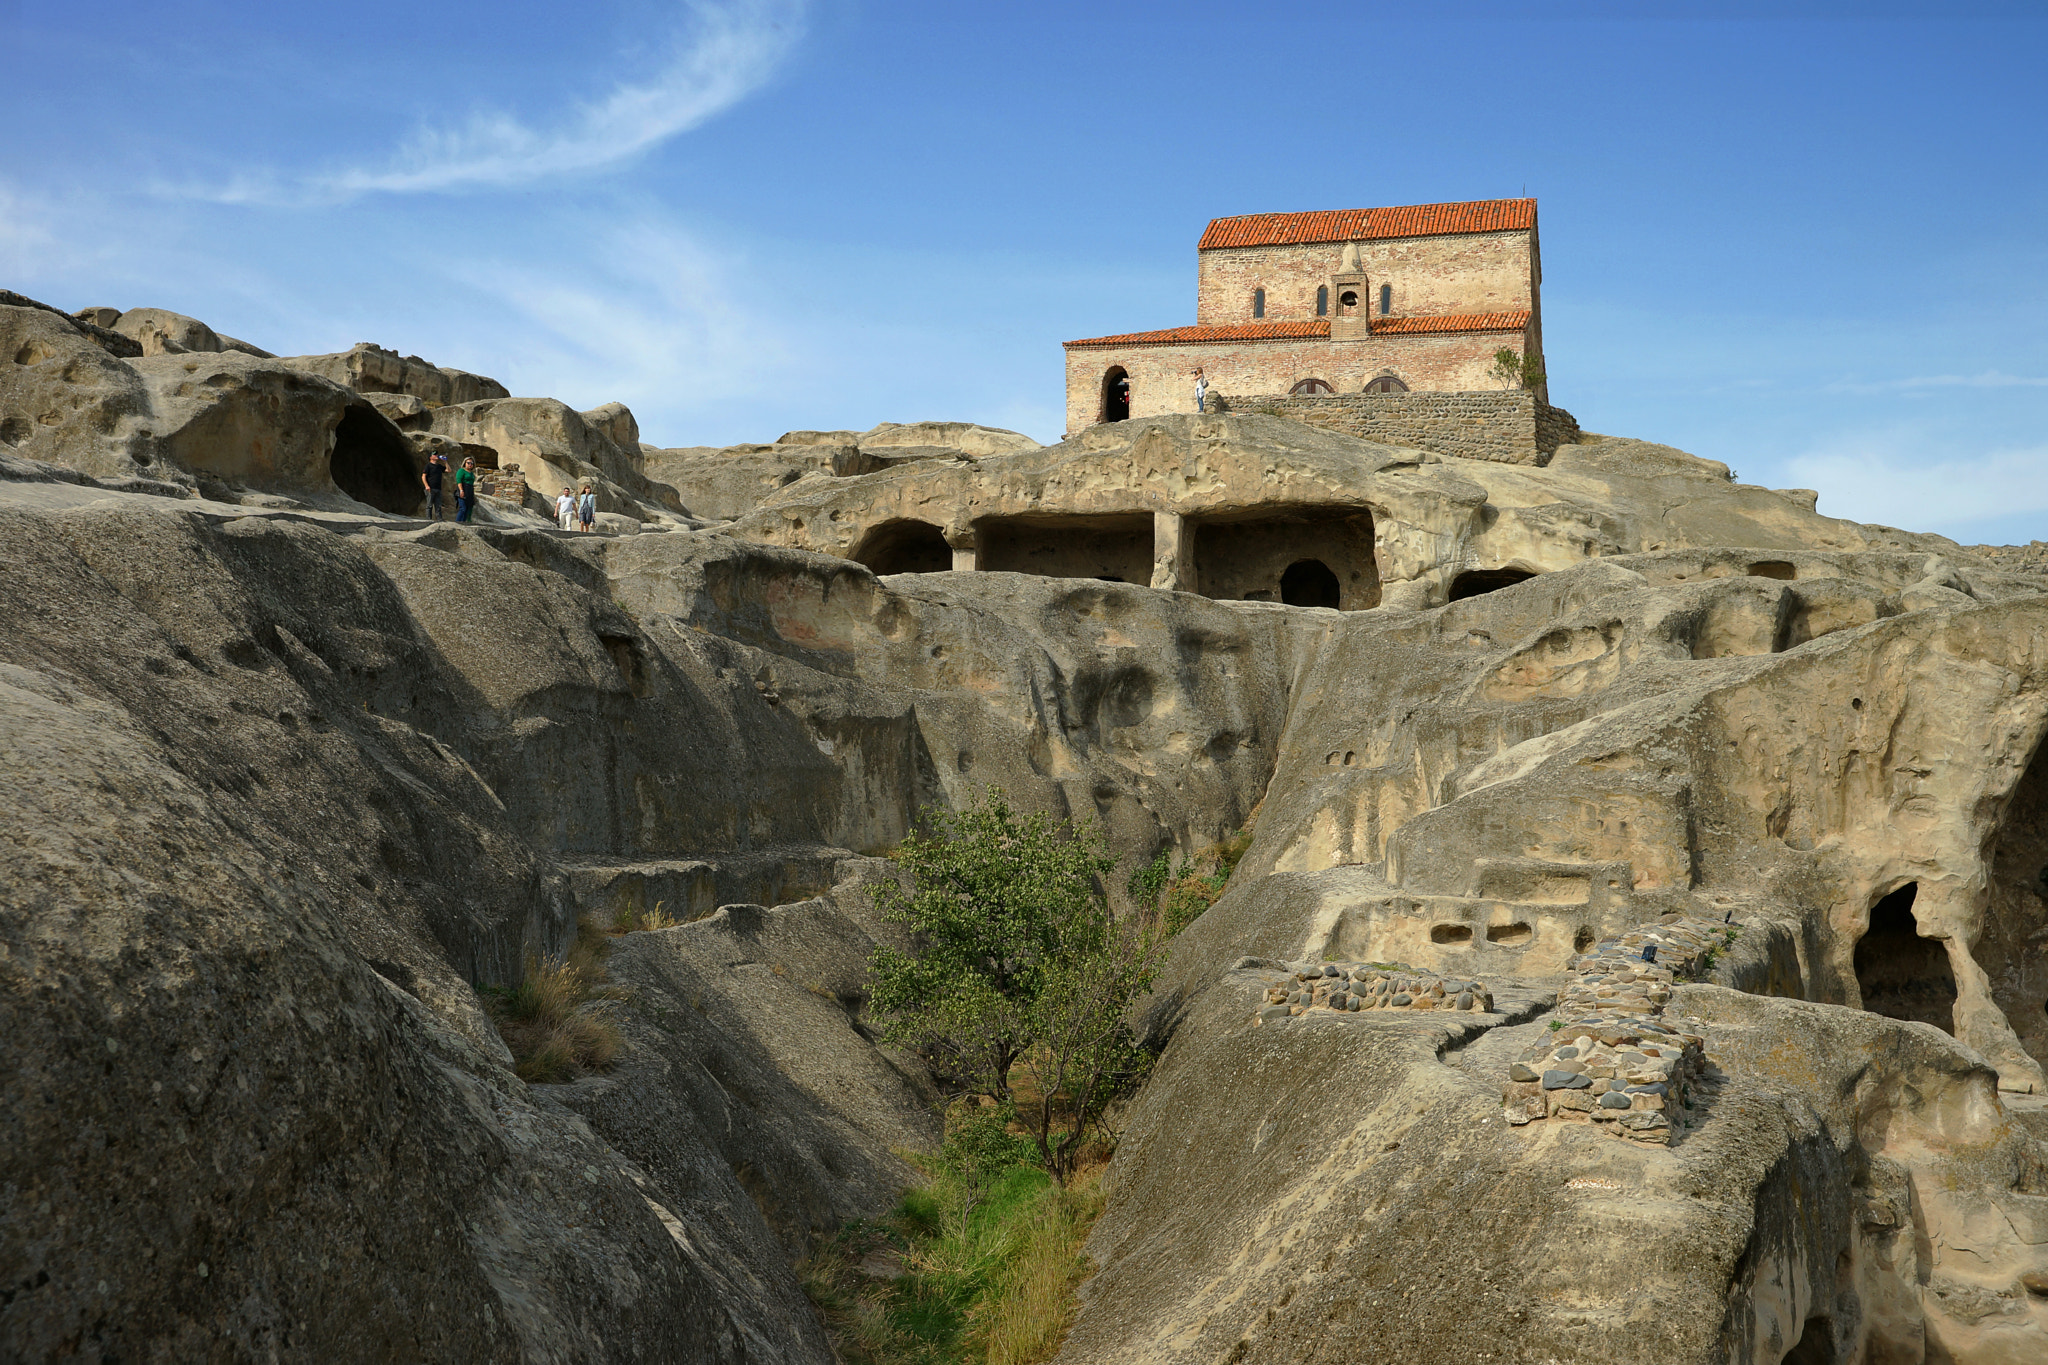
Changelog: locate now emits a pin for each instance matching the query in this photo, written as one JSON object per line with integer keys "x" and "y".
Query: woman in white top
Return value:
{"x": 565, "y": 510}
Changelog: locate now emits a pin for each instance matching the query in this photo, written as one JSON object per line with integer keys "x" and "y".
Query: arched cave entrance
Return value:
{"x": 1902, "y": 975}
{"x": 372, "y": 462}
{"x": 905, "y": 547}
{"x": 1309, "y": 583}
{"x": 1473, "y": 582}
{"x": 2011, "y": 945}
{"x": 1116, "y": 394}
{"x": 1816, "y": 1344}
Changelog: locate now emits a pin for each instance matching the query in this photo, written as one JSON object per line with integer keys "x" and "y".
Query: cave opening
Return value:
{"x": 1309, "y": 583}
{"x": 905, "y": 547}
{"x": 1816, "y": 1345}
{"x": 372, "y": 462}
{"x": 1902, "y": 975}
{"x": 1473, "y": 582}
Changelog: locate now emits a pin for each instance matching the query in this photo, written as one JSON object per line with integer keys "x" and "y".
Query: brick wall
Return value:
{"x": 1511, "y": 427}
{"x": 1466, "y": 272}
{"x": 1162, "y": 377}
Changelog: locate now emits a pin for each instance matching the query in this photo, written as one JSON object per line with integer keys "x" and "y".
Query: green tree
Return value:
{"x": 1514, "y": 369}
{"x": 1015, "y": 959}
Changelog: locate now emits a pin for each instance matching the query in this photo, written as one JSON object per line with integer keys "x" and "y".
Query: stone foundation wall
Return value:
{"x": 1163, "y": 380}
{"x": 1505, "y": 426}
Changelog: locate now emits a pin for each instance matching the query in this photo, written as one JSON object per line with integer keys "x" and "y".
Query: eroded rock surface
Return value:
{"x": 290, "y": 773}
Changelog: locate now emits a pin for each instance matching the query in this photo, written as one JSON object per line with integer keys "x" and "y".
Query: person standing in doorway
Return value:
{"x": 586, "y": 509}
{"x": 437, "y": 469}
{"x": 465, "y": 489}
{"x": 1201, "y": 390}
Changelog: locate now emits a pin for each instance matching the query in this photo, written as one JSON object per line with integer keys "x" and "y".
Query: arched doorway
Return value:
{"x": 905, "y": 547}
{"x": 1386, "y": 383}
{"x": 1900, "y": 974}
{"x": 1473, "y": 582}
{"x": 1116, "y": 394}
{"x": 1309, "y": 583}
{"x": 1313, "y": 388}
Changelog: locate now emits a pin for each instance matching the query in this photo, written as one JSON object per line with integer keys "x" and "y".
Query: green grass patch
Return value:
{"x": 979, "y": 1263}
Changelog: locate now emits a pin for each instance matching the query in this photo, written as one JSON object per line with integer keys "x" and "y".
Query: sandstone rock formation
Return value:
{"x": 722, "y": 484}
{"x": 289, "y": 774}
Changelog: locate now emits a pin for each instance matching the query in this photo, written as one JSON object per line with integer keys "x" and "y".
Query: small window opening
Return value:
{"x": 1310, "y": 583}
{"x": 1323, "y": 301}
{"x": 1258, "y": 303}
{"x": 1386, "y": 383}
{"x": 1902, "y": 975}
{"x": 1386, "y": 299}
{"x": 1313, "y": 387}
{"x": 1773, "y": 568}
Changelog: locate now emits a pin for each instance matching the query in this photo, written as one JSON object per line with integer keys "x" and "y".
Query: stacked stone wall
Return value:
{"x": 1162, "y": 376}
{"x": 1506, "y": 426}
{"x": 1609, "y": 1059}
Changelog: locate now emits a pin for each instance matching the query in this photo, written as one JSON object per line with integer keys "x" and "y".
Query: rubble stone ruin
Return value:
{"x": 1640, "y": 952}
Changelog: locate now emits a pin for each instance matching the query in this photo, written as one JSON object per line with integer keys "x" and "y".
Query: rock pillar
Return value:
{"x": 1172, "y": 561}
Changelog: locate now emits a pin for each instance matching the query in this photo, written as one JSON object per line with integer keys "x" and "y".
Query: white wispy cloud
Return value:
{"x": 1904, "y": 480}
{"x": 724, "y": 53}
{"x": 1989, "y": 379}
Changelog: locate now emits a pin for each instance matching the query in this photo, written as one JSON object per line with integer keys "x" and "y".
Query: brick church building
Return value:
{"x": 1392, "y": 300}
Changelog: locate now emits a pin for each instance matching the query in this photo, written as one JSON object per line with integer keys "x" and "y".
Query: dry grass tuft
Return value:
{"x": 556, "y": 1020}
{"x": 627, "y": 921}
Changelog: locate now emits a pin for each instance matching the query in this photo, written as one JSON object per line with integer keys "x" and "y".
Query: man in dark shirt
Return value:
{"x": 437, "y": 467}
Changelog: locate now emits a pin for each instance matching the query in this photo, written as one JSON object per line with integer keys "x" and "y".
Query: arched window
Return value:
{"x": 1386, "y": 383}
{"x": 1386, "y": 299}
{"x": 1314, "y": 388}
{"x": 1323, "y": 301}
{"x": 1258, "y": 303}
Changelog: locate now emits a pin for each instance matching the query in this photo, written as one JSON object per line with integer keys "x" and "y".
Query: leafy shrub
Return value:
{"x": 1018, "y": 967}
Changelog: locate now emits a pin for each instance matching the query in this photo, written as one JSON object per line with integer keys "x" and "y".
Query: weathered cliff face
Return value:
{"x": 287, "y": 777}
{"x": 1488, "y": 789}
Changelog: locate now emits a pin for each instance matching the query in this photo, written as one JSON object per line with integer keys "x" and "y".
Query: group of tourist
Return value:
{"x": 465, "y": 485}
{"x": 577, "y": 511}
{"x": 572, "y": 511}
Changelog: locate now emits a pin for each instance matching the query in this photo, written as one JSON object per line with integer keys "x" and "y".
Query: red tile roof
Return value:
{"x": 1512, "y": 321}
{"x": 1249, "y": 331}
{"x": 1358, "y": 225}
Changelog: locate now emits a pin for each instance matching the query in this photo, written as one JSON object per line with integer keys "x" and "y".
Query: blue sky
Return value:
{"x": 1806, "y": 240}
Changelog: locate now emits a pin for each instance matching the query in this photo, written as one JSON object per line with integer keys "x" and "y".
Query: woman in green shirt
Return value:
{"x": 465, "y": 488}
